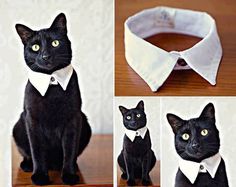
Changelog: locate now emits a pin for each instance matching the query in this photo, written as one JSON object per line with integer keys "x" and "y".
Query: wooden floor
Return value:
{"x": 154, "y": 174}
{"x": 95, "y": 165}
{"x": 188, "y": 82}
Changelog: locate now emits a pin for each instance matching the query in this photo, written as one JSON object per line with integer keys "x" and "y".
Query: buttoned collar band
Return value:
{"x": 41, "y": 81}
{"x": 131, "y": 134}
{"x": 154, "y": 64}
{"x": 192, "y": 169}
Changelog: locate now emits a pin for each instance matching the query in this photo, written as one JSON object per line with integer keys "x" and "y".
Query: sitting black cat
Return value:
{"x": 52, "y": 130}
{"x": 197, "y": 143}
{"x": 136, "y": 159}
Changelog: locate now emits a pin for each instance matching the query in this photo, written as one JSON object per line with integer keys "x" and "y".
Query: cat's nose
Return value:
{"x": 195, "y": 145}
{"x": 46, "y": 56}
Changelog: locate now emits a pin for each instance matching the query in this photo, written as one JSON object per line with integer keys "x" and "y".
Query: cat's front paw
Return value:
{"x": 146, "y": 182}
{"x": 26, "y": 165}
{"x": 70, "y": 179}
{"x": 131, "y": 182}
{"x": 124, "y": 176}
{"x": 40, "y": 179}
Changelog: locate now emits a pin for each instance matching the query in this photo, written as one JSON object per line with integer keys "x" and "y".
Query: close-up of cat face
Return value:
{"x": 197, "y": 138}
{"x": 46, "y": 50}
{"x": 134, "y": 118}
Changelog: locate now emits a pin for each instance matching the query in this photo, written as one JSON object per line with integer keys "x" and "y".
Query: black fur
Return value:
{"x": 52, "y": 130}
{"x": 136, "y": 159}
{"x": 198, "y": 147}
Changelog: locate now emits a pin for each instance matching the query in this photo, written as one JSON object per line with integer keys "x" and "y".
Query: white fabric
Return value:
{"x": 191, "y": 169}
{"x": 132, "y": 134}
{"x": 154, "y": 64}
{"x": 41, "y": 81}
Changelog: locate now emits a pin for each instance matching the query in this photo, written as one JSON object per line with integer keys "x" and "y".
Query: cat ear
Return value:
{"x": 24, "y": 32}
{"x": 123, "y": 109}
{"x": 175, "y": 122}
{"x": 140, "y": 105}
{"x": 208, "y": 112}
{"x": 60, "y": 23}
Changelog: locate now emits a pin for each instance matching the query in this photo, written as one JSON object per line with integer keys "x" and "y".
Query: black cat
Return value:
{"x": 197, "y": 143}
{"x": 52, "y": 130}
{"x": 136, "y": 159}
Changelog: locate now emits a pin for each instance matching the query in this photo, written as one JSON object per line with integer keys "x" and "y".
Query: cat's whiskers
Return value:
{"x": 34, "y": 67}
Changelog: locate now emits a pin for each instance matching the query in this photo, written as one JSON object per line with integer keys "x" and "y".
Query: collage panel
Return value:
{"x": 198, "y": 141}
{"x": 56, "y": 95}
{"x": 173, "y": 48}
{"x": 136, "y": 141}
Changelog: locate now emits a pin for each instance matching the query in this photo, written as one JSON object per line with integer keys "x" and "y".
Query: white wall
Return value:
{"x": 187, "y": 108}
{"x": 90, "y": 29}
{"x": 152, "y": 110}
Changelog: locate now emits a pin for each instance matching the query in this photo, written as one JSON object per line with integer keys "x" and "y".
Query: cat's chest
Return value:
{"x": 55, "y": 96}
{"x": 204, "y": 179}
{"x": 57, "y": 105}
{"x": 138, "y": 147}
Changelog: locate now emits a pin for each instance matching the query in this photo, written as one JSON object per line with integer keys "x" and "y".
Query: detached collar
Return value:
{"x": 191, "y": 169}
{"x": 132, "y": 134}
{"x": 41, "y": 81}
{"x": 154, "y": 64}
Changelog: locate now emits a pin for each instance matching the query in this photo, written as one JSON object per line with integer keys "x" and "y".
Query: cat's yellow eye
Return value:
{"x": 35, "y": 47}
{"x": 55, "y": 43}
{"x": 128, "y": 117}
{"x": 138, "y": 115}
{"x": 185, "y": 136}
{"x": 204, "y": 132}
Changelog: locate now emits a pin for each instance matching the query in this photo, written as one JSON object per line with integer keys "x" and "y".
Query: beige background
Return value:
{"x": 186, "y": 108}
{"x": 90, "y": 29}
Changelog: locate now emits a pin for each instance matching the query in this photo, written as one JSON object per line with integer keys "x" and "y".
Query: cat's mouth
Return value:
{"x": 46, "y": 65}
{"x": 132, "y": 127}
{"x": 197, "y": 154}
{"x": 194, "y": 154}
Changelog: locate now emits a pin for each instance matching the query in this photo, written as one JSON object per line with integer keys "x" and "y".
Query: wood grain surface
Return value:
{"x": 186, "y": 82}
{"x": 154, "y": 174}
{"x": 95, "y": 165}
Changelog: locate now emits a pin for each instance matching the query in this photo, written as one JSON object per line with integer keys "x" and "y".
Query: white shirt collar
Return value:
{"x": 154, "y": 64}
{"x": 191, "y": 169}
{"x": 132, "y": 134}
{"x": 41, "y": 81}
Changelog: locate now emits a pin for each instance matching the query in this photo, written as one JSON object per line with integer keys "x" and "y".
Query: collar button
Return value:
{"x": 137, "y": 133}
{"x": 201, "y": 167}
{"x": 52, "y": 79}
{"x": 181, "y": 62}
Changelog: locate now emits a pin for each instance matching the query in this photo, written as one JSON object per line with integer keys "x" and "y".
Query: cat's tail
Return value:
{"x": 85, "y": 134}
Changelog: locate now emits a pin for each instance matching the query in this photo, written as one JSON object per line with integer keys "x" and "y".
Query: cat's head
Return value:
{"x": 134, "y": 118}
{"x": 197, "y": 138}
{"x": 46, "y": 50}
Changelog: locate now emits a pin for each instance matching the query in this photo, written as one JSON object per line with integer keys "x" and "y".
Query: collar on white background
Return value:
{"x": 192, "y": 169}
{"x": 132, "y": 134}
{"x": 154, "y": 64}
{"x": 41, "y": 81}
